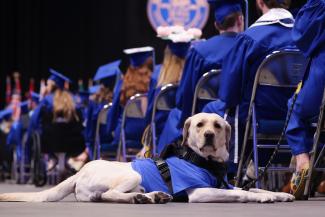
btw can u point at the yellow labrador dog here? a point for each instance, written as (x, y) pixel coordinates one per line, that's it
(139, 181)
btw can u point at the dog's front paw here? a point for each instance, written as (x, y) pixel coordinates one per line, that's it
(265, 198)
(142, 199)
(283, 197)
(162, 197)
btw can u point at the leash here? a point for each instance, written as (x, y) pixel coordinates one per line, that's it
(247, 186)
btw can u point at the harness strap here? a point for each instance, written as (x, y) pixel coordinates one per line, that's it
(218, 170)
(164, 172)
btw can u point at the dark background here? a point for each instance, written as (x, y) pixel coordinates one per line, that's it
(75, 36)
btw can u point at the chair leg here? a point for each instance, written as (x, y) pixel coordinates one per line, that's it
(312, 165)
(310, 171)
(154, 139)
(242, 154)
(123, 145)
(255, 148)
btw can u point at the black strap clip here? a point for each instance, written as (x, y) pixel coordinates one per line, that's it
(164, 172)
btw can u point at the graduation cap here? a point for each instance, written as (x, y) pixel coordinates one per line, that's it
(93, 89)
(58, 78)
(5, 114)
(179, 49)
(223, 8)
(106, 74)
(138, 56)
(35, 97)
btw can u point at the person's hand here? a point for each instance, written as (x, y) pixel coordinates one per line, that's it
(16, 112)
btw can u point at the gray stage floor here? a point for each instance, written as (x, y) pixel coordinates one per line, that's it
(68, 207)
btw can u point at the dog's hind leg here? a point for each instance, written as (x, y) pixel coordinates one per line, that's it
(130, 191)
(125, 191)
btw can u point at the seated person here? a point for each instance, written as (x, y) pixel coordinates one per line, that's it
(59, 123)
(271, 32)
(20, 117)
(137, 79)
(62, 128)
(179, 42)
(103, 95)
(309, 36)
(5, 153)
(203, 57)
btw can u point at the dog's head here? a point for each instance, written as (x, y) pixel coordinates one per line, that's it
(208, 135)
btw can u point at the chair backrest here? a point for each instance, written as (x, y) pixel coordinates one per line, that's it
(101, 120)
(206, 88)
(136, 106)
(165, 99)
(102, 117)
(283, 69)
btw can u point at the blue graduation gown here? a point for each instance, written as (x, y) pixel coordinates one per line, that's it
(240, 66)
(35, 121)
(202, 57)
(309, 35)
(114, 115)
(15, 137)
(161, 116)
(90, 130)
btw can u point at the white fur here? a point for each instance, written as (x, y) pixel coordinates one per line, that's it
(118, 182)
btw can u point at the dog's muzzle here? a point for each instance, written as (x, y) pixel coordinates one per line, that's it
(209, 140)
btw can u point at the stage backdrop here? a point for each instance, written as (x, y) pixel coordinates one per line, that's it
(73, 36)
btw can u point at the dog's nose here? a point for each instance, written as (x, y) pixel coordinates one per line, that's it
(209, 135)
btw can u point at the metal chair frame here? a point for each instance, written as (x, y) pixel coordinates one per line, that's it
(101, 119)
(141, 112)
(261, 79)
(313, 154)
(160, 104)
(203, 93)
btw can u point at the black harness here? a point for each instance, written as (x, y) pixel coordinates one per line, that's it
(218, 170)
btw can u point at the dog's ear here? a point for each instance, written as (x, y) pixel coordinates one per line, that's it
(185, 130)
(228, 134)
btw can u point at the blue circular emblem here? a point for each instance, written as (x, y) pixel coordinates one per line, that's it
(187, 13)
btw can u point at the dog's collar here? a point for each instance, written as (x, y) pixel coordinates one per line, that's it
(217, 169)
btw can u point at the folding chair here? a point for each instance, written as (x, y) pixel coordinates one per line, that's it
(206, 88)
(19, 167)
(135, 108)
(164, 101)
(101, 120)
(281, 70)
(314, 157)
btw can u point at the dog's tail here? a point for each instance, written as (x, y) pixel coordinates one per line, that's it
(53, 194)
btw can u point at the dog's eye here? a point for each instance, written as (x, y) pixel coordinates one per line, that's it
(200, 124)
(217, 125)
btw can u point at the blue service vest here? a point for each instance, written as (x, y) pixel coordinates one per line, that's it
(184, 175)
